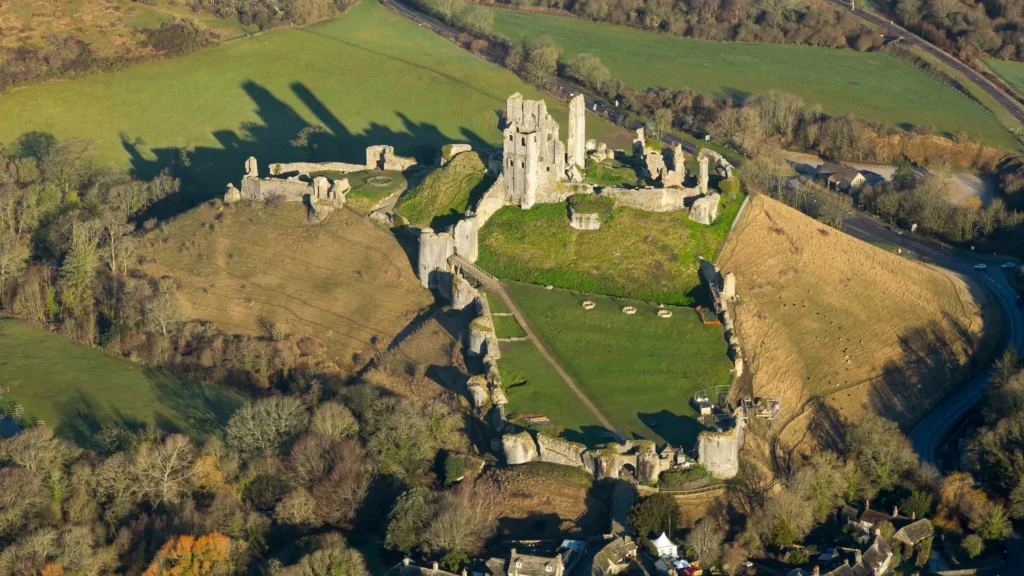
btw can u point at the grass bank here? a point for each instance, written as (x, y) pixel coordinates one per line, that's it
(640, 370)
(873, 86)
(643, 255)
(78, 390)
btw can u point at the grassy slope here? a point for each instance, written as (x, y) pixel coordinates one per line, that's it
(345, 282)
(369, 77)
(86, 389)
(637, 254)
(824, 315)
(873, 86)
(640, 370)
(1012, 72)
(444, 192)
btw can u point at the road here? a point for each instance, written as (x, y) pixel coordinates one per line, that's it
(927, 437)
(1005, 100)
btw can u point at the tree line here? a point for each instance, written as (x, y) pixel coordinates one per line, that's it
(966, 28)
(761, 21)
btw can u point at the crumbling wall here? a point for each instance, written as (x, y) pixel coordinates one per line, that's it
(466, 234)
(383, 157)
(533, 155)
(583, 220)
(705, 209)
(719, 452)
(432, 264)
(576, 151)
(559, 451)
(651, 199)
(519, 448)
(307, 168)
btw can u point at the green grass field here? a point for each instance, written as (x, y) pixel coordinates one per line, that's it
(640, 370)
(77, 390)
(368, 77)
(872, 86)
(508, 327)
(443, 195)
(643, 255)
(1012, 72)
(533, 387)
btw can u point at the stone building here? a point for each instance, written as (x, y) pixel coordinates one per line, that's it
(533, 157)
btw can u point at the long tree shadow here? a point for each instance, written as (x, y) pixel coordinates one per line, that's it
(190, 406)
(281, 135)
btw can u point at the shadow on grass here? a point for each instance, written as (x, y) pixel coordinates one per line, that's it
(679, 431)
(205, 171)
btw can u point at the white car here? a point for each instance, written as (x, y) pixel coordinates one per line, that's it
(980, 267)
(1008, 265)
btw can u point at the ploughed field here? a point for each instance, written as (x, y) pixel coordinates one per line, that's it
(77, 390)
(367, 77)
(873, 86)
(835, 327)
(639, 370)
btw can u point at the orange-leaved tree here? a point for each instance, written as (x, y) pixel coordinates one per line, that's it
(191, 556)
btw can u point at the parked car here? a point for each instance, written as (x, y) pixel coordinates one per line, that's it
(1008, 265)
(896, 231)
(980, 267)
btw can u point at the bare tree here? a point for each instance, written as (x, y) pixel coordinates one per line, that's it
(164, 470)
(334, 421)
(14, 253)
(706, 540)
(264, 425)
(464, 520)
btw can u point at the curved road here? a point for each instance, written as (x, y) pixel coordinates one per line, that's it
(927, 437)
(1005, 100)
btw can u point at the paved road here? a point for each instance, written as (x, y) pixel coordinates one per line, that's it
(1005, 100)
(927, 437)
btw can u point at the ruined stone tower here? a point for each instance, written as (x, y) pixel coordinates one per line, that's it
(533, 157)
(577, 151)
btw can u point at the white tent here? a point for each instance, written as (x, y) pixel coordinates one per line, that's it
(666, 548)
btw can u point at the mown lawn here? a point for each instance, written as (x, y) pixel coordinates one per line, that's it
(533, 388)
(874, 86)
(643, 255)
(640, 370)
(77, 390)
(367, 77)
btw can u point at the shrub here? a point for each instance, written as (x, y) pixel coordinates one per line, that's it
(454, 468)
(973, 545)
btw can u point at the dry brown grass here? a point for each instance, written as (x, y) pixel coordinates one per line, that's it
(826, 316)
(345, 282)
(547, 501)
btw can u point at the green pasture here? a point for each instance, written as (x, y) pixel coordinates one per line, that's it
(873, 86)
(640, 370)
(644, 255)
(367, 77)
(77, 390)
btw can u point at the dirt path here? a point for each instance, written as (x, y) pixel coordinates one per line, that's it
(495, 285)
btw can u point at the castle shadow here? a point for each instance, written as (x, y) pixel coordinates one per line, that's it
(281, 135)
(679, 431)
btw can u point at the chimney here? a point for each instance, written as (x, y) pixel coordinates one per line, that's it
(464, 573)
(512, 553)
(856, 556)
(816, 571)
(405, 561)
(867, 504)
(913, 515)
(895, 511)
(434, 566)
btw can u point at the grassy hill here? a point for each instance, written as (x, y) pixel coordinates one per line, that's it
(643, 255)
(873, 86)
(445, 193)
(345, 282)
(368, 77)
(640, 370)
(77, 390)
(823, 315)
(110, 27)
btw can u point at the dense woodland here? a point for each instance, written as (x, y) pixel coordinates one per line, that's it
(965, 28)
(765, 21)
